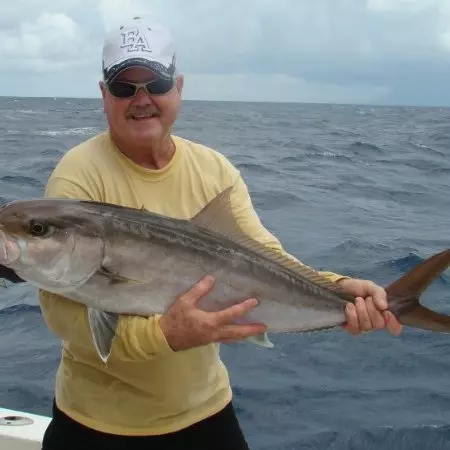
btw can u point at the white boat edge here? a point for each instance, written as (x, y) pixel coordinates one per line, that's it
(21, 430)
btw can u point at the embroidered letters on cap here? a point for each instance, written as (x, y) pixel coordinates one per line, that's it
(134, 41)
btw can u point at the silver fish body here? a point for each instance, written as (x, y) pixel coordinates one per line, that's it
(118, 260)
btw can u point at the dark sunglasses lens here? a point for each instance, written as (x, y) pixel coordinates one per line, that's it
(160, 86)
(121, 89)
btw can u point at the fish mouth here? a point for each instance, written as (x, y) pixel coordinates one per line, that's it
(9, 249)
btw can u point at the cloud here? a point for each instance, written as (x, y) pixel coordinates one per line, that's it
(413, 6)
(52, 42)
(112, 11)
(353, 50)
(18, 11)
(276, 88)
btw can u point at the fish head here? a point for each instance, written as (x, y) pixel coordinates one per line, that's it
(54, 244)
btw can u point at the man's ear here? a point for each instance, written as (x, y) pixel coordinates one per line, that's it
(180, 83)
(103, 90)
(102, 86)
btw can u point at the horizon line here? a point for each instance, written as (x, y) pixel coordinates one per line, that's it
(375, 104)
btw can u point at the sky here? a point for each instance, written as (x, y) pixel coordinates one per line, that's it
(394, 52)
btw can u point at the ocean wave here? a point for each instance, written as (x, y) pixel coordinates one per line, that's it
(278, 143)
(406, 263)
(418, 437)
(441, 171)
(344, 133)
(306, 156)
(362, 258)
(22, 181)
(19, 309)
(365, 247)
(423, 164)
(443, 137)
(83, 131)
(377, 255)
(31, 111)
(414, 437)
(15, 114)
(326, 154)
(34, 397)
(53, 153)
(273, 200)
(355, 257)
(359, 146)
(259, 169)
(427, 148)
(383, 193)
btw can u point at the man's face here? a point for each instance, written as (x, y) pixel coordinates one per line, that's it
(142, 118)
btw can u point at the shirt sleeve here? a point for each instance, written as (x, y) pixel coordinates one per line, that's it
(137, 338)
(250, 223)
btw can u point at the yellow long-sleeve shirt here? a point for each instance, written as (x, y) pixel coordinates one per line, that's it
(146, 388)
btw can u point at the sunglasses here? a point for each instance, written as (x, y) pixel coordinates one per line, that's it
(127, 89)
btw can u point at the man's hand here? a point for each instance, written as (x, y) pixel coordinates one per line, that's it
(185, 325)
(370, 309)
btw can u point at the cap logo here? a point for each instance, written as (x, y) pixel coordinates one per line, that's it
(134, 41)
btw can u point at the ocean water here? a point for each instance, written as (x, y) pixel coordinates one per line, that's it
(359, 190)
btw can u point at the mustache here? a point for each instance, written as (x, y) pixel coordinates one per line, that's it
(142, 110)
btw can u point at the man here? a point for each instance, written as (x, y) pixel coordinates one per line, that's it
(164, 386)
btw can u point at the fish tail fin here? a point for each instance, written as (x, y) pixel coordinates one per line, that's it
(404, 295)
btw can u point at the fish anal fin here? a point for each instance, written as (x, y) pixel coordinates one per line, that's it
(262, 340)
(217, 217)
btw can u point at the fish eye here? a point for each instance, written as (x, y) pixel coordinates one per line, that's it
(38, 228)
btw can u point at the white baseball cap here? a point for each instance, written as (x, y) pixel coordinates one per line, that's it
(139, 43)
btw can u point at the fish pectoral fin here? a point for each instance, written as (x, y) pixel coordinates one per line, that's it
(103, 329)
(114, 278)
(261, 340)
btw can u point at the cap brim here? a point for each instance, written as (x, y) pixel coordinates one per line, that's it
(156, 67)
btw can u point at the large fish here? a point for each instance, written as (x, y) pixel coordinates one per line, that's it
(118, 260)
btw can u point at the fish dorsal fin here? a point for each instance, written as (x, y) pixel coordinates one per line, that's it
(217, 217)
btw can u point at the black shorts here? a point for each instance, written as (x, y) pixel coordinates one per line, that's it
(219, 432)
